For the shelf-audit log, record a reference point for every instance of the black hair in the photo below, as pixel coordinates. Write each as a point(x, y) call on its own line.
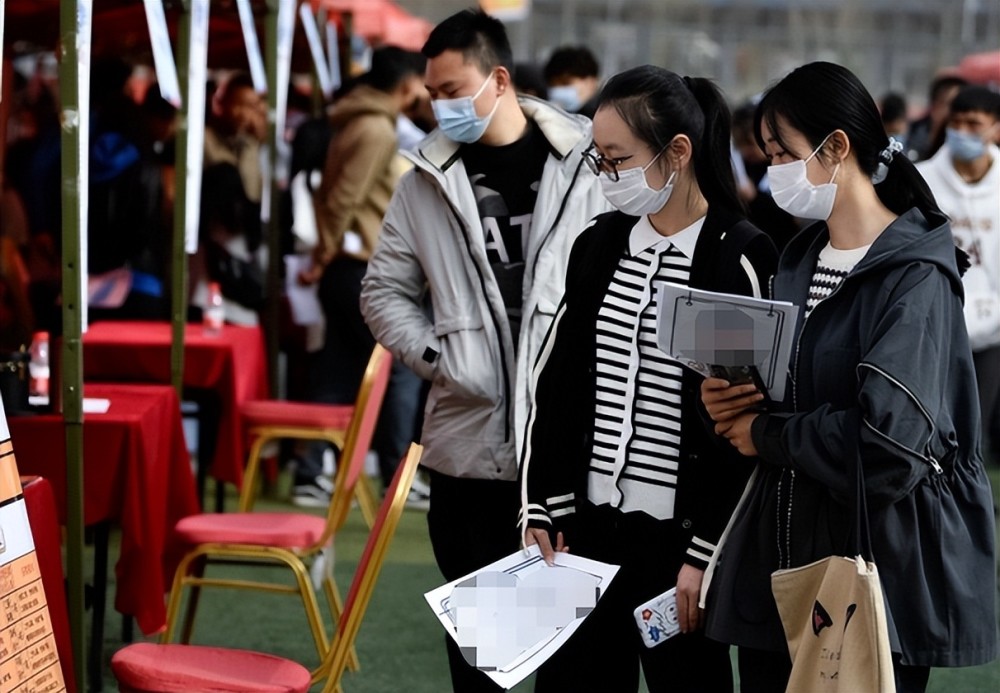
point(528, 79)
point(943, 83)
point(821, 97)
point(479, 37)
point(390, 66)
point(975, 98)
point(657, 105)
point(893, 107)
point(742, 125)
point(237, 80)
point(575, 61)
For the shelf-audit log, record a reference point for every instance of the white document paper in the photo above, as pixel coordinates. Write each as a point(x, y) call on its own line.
point(96, 405)
point(303, 300)
point(512, 615)
point(727, 336)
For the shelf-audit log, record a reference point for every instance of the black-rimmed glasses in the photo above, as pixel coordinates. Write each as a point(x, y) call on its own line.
point(598, 163)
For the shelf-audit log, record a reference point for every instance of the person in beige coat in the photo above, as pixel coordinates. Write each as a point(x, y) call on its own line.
point(359, 176)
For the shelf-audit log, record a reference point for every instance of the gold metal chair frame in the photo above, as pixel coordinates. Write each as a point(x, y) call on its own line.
point(191, 570)
point(338, 655)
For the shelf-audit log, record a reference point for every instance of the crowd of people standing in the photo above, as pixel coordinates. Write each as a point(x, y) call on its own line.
point(500, 229)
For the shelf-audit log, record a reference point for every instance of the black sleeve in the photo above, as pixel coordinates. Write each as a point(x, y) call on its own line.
point(718, 472)
point(556, 430)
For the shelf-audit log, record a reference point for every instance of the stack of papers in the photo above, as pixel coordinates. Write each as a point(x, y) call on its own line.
point(512, 615)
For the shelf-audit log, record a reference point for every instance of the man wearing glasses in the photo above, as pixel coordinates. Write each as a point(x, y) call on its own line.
point(485, 222)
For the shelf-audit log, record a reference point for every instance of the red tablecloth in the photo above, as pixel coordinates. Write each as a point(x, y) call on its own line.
point(233, 364)
point(41, 507)
point(136, 472)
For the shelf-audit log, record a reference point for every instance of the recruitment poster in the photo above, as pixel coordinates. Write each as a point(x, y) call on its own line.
point(28, 657)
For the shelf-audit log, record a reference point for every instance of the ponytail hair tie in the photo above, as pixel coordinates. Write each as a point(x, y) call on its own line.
point(885, 158)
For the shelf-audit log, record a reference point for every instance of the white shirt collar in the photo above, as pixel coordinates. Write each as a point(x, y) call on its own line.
point(644, 237)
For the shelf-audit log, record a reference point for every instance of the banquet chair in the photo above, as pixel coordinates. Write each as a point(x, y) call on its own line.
point(177, 668)
point(268, 420)
point(300, 542)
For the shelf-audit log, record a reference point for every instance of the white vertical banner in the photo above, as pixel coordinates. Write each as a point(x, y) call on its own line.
point(196, 70)
point(163, 54)
point(2, 13)
point(333, 54)
point(84, 17)
point(316, 49)
point(286, 32)
point(257, 72)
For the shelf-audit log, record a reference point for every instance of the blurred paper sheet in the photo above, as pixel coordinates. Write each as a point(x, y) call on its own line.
point(512, 615)
point(303, 300)
point(737, 338)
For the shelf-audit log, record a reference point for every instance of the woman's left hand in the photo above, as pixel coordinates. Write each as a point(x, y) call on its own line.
point(688, 594)
point(737, 432)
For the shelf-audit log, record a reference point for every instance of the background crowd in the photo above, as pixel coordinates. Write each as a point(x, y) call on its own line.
point(498, 150)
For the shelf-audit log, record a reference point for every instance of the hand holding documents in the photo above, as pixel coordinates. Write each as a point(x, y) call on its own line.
point(736, 338)
point(512, 615)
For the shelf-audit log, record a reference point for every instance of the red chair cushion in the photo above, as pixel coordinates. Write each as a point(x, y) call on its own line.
point(150, 668)
point(285, 530)
point(273, 412)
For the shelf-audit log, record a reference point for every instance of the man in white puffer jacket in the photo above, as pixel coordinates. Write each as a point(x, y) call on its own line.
point(965, 178)
point(485, 222)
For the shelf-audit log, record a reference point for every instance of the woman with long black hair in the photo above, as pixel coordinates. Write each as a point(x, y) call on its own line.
point(618, 464)
point(881, 374)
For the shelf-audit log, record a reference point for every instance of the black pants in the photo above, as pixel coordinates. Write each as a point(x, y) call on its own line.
point(767, 672)
point(606, 651)
point(472, 523)
point(337, 370)
point(987, 364)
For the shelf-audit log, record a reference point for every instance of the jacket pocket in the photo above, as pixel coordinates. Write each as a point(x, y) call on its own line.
point(467, 365)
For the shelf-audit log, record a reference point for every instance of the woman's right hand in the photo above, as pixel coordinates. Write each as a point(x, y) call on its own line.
point(724, 401)
point(535, 535)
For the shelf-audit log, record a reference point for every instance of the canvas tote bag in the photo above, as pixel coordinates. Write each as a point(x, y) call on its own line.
point(834, 619)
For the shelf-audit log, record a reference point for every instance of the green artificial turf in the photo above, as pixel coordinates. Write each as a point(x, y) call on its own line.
point(401, 644)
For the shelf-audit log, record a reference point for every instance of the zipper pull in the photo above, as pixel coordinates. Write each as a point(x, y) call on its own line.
point(935, 465)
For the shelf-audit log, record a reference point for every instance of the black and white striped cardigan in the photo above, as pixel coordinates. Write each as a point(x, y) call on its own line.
point(731, 256)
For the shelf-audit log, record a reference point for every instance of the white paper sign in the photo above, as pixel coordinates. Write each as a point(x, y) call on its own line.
point(303, 300)
point(163, 55)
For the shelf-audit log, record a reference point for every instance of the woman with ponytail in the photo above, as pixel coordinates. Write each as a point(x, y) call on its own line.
point(618, 464)
point(883, 374)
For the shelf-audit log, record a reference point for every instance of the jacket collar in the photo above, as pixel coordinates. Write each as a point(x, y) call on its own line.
point(563, 131)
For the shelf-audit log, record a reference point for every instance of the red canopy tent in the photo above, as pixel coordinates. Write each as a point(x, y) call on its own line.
point(380, 22)
point(980, 68)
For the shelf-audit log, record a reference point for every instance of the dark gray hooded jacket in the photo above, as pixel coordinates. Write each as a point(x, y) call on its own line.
point(882, 373)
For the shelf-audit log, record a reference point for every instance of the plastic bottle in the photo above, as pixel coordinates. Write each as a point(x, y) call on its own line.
point(38, 367)
point(214, 314)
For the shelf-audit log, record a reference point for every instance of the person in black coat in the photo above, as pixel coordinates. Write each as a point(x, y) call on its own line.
point(618, 464)
point(882, 374)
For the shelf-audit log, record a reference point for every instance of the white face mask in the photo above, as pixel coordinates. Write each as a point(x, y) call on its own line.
point(794, 193)
point(566, 97)
point(458, 119)
point(631, 193)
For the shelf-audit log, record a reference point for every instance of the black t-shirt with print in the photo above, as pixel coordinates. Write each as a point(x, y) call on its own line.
point(505, 181)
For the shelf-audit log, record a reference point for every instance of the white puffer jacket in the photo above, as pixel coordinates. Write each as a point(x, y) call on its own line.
point(432, 237)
